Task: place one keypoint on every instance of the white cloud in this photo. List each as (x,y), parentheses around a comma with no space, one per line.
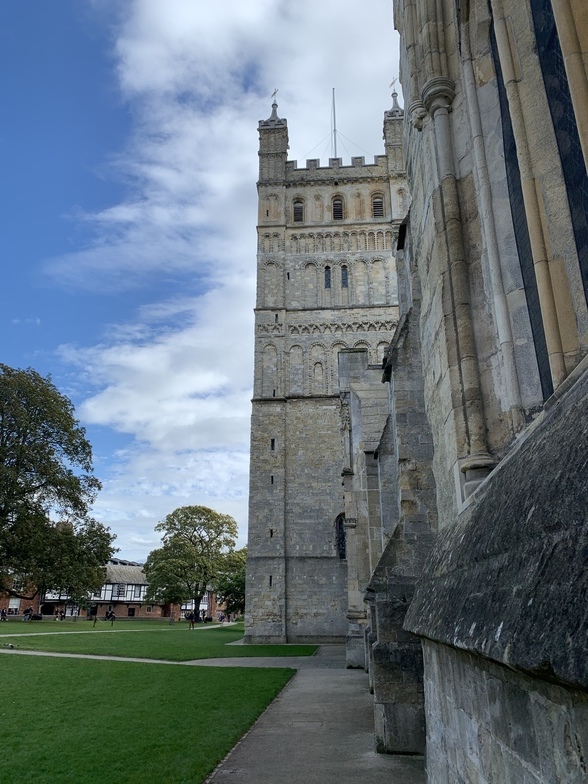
(35,322)
(176,375)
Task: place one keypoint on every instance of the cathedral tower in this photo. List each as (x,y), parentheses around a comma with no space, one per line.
(326,282)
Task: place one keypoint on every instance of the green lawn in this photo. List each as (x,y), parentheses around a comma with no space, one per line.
(171,643)
(82,625)
(71,721)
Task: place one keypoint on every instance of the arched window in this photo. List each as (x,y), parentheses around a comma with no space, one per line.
(344,277)
(377,206)
(327,277)
(337,208)
(298,211)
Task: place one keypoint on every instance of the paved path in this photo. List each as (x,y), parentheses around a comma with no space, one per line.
(320,730)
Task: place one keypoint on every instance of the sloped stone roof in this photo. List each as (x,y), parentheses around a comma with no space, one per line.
(508,579)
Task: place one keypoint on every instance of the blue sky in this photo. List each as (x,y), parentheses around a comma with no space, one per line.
(128,160)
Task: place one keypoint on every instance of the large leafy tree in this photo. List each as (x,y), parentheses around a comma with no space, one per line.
(196,542)
(230,585)
(47,538)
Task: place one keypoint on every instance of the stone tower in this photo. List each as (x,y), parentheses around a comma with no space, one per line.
(326,282)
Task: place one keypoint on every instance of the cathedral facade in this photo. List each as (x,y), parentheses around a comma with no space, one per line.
(493,277)
(431,508)
(326,284)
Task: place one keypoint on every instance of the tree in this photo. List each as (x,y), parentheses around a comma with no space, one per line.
(196,542)
(230,586)
(47,538)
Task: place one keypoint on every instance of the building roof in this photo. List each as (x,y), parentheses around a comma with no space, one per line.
(125,572)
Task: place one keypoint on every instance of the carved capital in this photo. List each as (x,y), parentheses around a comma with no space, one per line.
(438,93)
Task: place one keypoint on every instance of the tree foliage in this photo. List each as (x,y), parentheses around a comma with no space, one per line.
(230,585)
(196,542)
(47,538)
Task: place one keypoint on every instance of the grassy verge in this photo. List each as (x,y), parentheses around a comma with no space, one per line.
(87,722)
(174,644)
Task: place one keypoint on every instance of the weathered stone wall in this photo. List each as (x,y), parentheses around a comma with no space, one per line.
(404,454)
(499,237)
(490,725)
(365,401)
(291,349)
(507,584)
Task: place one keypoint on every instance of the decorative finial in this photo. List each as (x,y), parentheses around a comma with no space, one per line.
(274,114)
(396,111)
(273,121)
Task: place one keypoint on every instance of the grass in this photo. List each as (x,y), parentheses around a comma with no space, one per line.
(73,721)
(81,625)
(174,643)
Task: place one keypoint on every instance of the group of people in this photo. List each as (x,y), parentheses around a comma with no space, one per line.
(108,616)
(194,618)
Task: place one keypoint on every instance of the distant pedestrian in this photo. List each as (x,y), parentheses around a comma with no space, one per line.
(190,619)
(111,617)
(3,615)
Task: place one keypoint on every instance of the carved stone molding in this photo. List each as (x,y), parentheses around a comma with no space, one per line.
(270,329)
(341,329)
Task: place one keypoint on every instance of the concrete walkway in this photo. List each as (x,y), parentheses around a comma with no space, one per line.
(320,730)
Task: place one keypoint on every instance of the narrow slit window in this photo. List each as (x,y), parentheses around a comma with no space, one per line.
(270,580)
(340,535)
(377,207)
(337,209)
(271,533)
(344,277)
(273,444)
(298,211)
(271,479)
(327,277)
